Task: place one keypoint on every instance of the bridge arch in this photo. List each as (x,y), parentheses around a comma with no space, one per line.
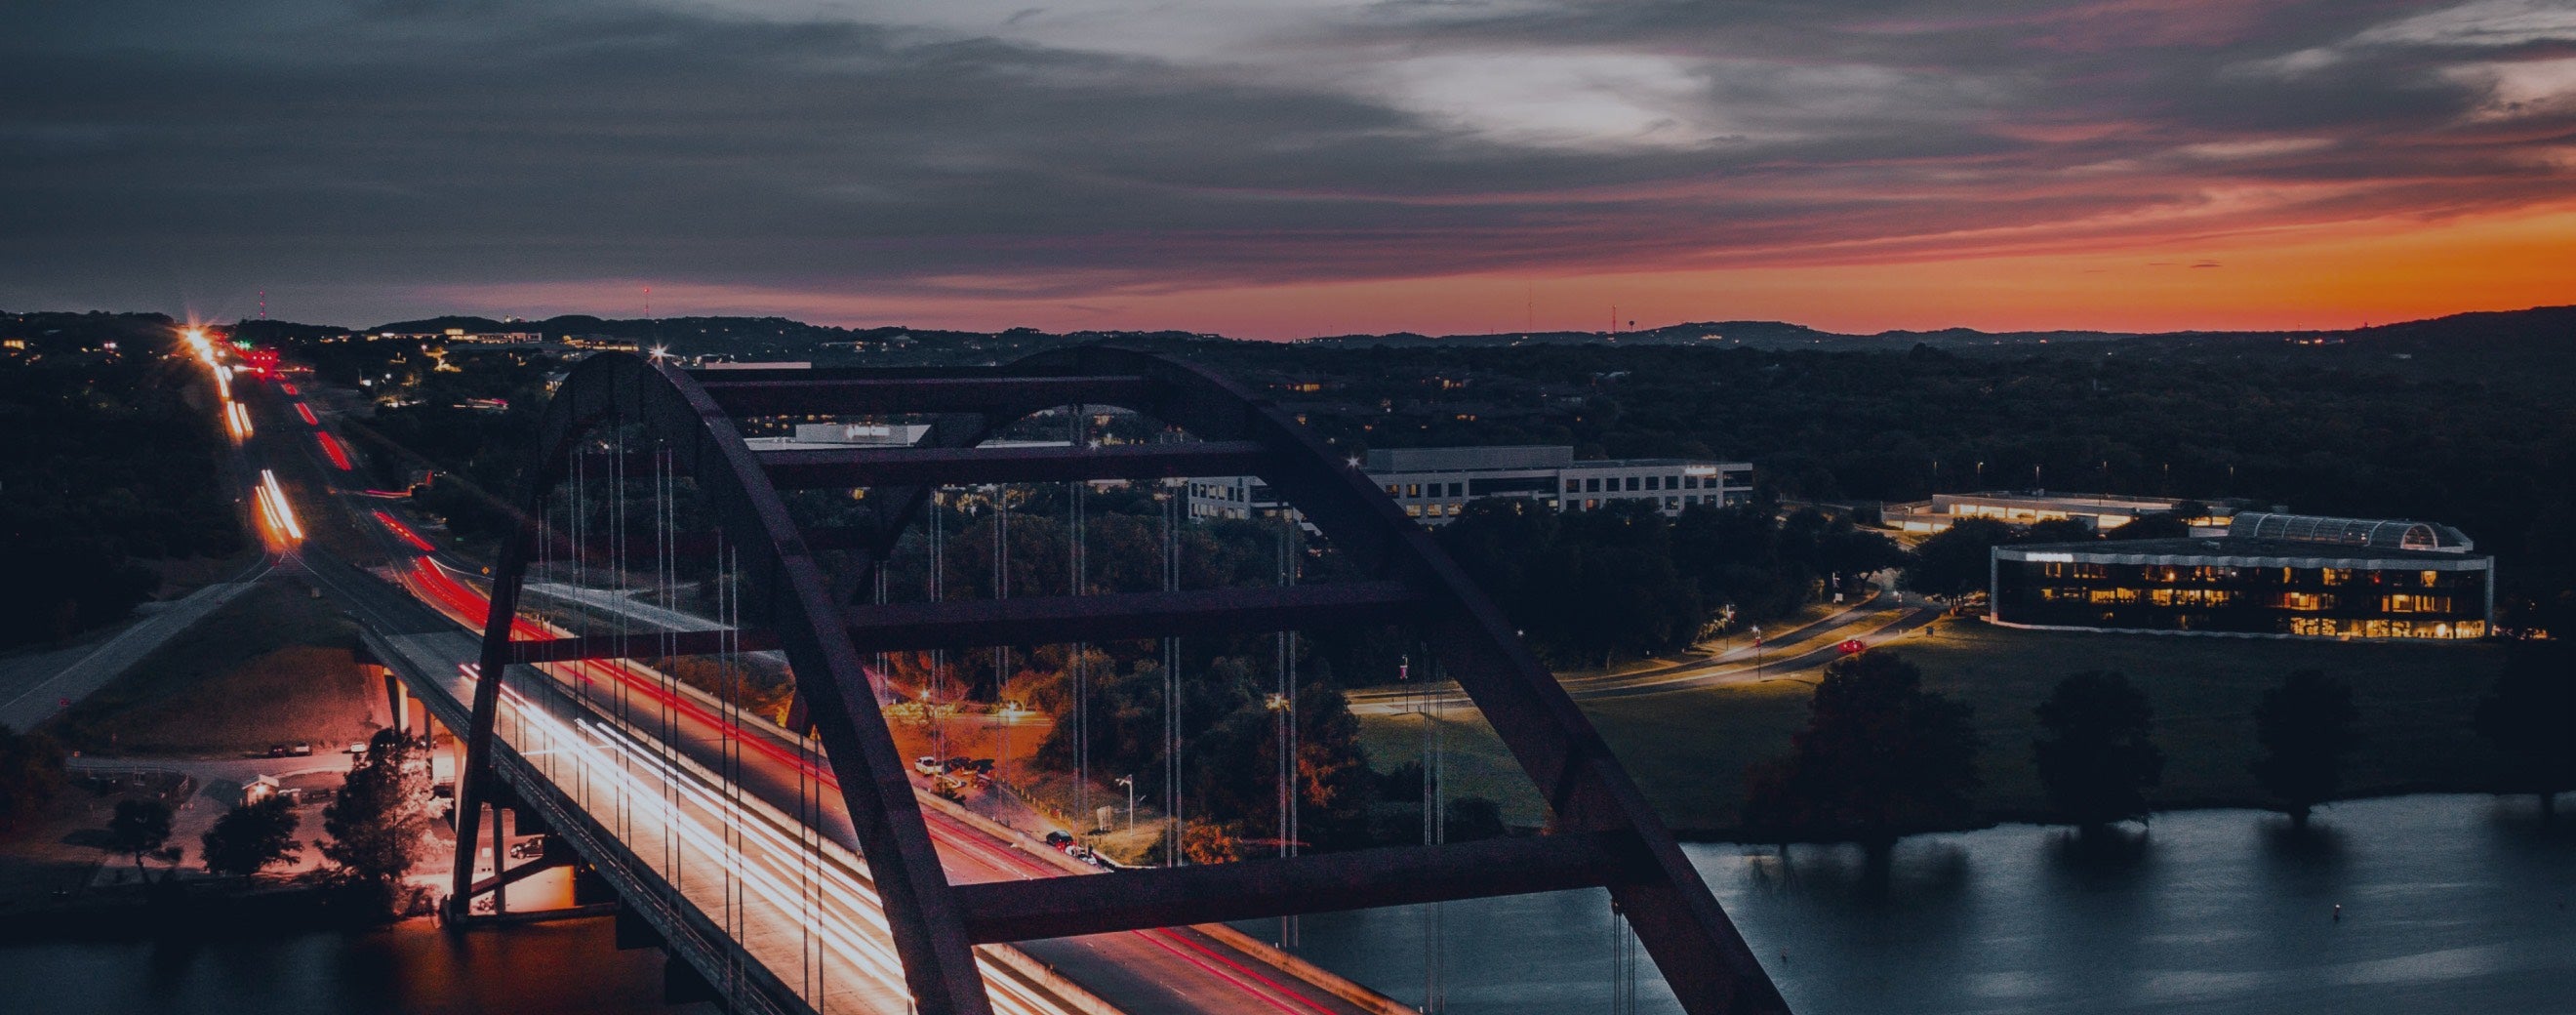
(1605,834)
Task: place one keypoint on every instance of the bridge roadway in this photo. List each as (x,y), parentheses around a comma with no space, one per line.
(589,736)
(583,749)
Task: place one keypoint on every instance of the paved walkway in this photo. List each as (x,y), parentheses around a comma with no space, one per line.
(31,694)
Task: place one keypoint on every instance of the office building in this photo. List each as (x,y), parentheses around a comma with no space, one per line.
(2101,513)
(2271,575)
(1435,484)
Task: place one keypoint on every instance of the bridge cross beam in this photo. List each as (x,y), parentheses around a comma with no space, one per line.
(1607,835)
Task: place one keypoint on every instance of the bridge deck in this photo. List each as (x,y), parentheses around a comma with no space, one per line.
(761,883)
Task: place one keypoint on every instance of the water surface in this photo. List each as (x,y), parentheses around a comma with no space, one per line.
(2450,903)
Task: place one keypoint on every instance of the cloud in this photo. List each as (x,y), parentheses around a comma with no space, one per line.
(2484,24)
(833,153)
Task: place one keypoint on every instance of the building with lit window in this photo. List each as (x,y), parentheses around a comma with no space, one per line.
(2271,575)
(2100,513)
(1435,484)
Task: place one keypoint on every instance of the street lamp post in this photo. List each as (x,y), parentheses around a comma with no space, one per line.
(1129,781)
(1757,656)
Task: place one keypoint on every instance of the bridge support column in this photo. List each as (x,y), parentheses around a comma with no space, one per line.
(500,859)
(397,704)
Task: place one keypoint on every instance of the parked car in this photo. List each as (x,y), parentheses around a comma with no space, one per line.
(928,765)
(277,750)
(1058,840)
(302,750)
(532,847)
(1851,646)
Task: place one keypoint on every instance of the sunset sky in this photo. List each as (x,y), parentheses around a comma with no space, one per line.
(1276,168)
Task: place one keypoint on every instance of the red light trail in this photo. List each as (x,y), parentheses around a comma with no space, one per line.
(300,410)
(465,602)
(331,447)
(404,532)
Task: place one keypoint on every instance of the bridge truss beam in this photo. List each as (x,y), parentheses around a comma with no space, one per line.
(1606,835)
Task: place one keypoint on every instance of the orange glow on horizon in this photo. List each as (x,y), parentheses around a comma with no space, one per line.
(2326,276)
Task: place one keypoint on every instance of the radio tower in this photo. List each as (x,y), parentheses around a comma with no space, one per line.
(263,304)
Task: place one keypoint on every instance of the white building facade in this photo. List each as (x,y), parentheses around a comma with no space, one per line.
(1434,485)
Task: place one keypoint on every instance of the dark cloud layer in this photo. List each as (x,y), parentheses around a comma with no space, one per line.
(157,151)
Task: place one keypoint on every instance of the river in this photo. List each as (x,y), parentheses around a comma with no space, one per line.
(2449,903)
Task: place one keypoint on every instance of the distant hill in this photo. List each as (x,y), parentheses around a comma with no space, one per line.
(1726,334)
(2461,340)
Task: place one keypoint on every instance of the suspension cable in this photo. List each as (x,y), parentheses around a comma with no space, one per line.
(1002,653)
(1172,704)
(938,593)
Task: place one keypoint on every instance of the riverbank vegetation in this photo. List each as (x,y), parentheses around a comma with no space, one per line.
(1689,751)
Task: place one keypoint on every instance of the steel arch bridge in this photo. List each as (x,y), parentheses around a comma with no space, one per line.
(1603,834)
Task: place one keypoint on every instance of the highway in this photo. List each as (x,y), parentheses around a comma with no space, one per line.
(600,730)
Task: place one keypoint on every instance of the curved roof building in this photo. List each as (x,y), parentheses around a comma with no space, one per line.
(2271,575)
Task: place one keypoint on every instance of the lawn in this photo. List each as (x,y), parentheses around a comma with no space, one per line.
(1688,750)
(273,666)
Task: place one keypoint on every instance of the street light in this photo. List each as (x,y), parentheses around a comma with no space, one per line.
(1757,654)
(1129,781)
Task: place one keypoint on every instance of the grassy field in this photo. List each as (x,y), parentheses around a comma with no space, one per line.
(1688,750)
(273,666)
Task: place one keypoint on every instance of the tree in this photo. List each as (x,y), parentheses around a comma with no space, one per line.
(139,827)
(2095,754)
(250,837)
(31,772)
(377,822)
(1953,561)
(1880,758)
(2304,727)
(1470,818)
(2528,717)
(1206,842)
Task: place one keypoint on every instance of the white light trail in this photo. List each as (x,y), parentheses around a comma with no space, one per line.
(842,910)
(285,513)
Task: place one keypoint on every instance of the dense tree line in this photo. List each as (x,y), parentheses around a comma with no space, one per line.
(1881,758)
(31,773)
(2468,428)
(112,461)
